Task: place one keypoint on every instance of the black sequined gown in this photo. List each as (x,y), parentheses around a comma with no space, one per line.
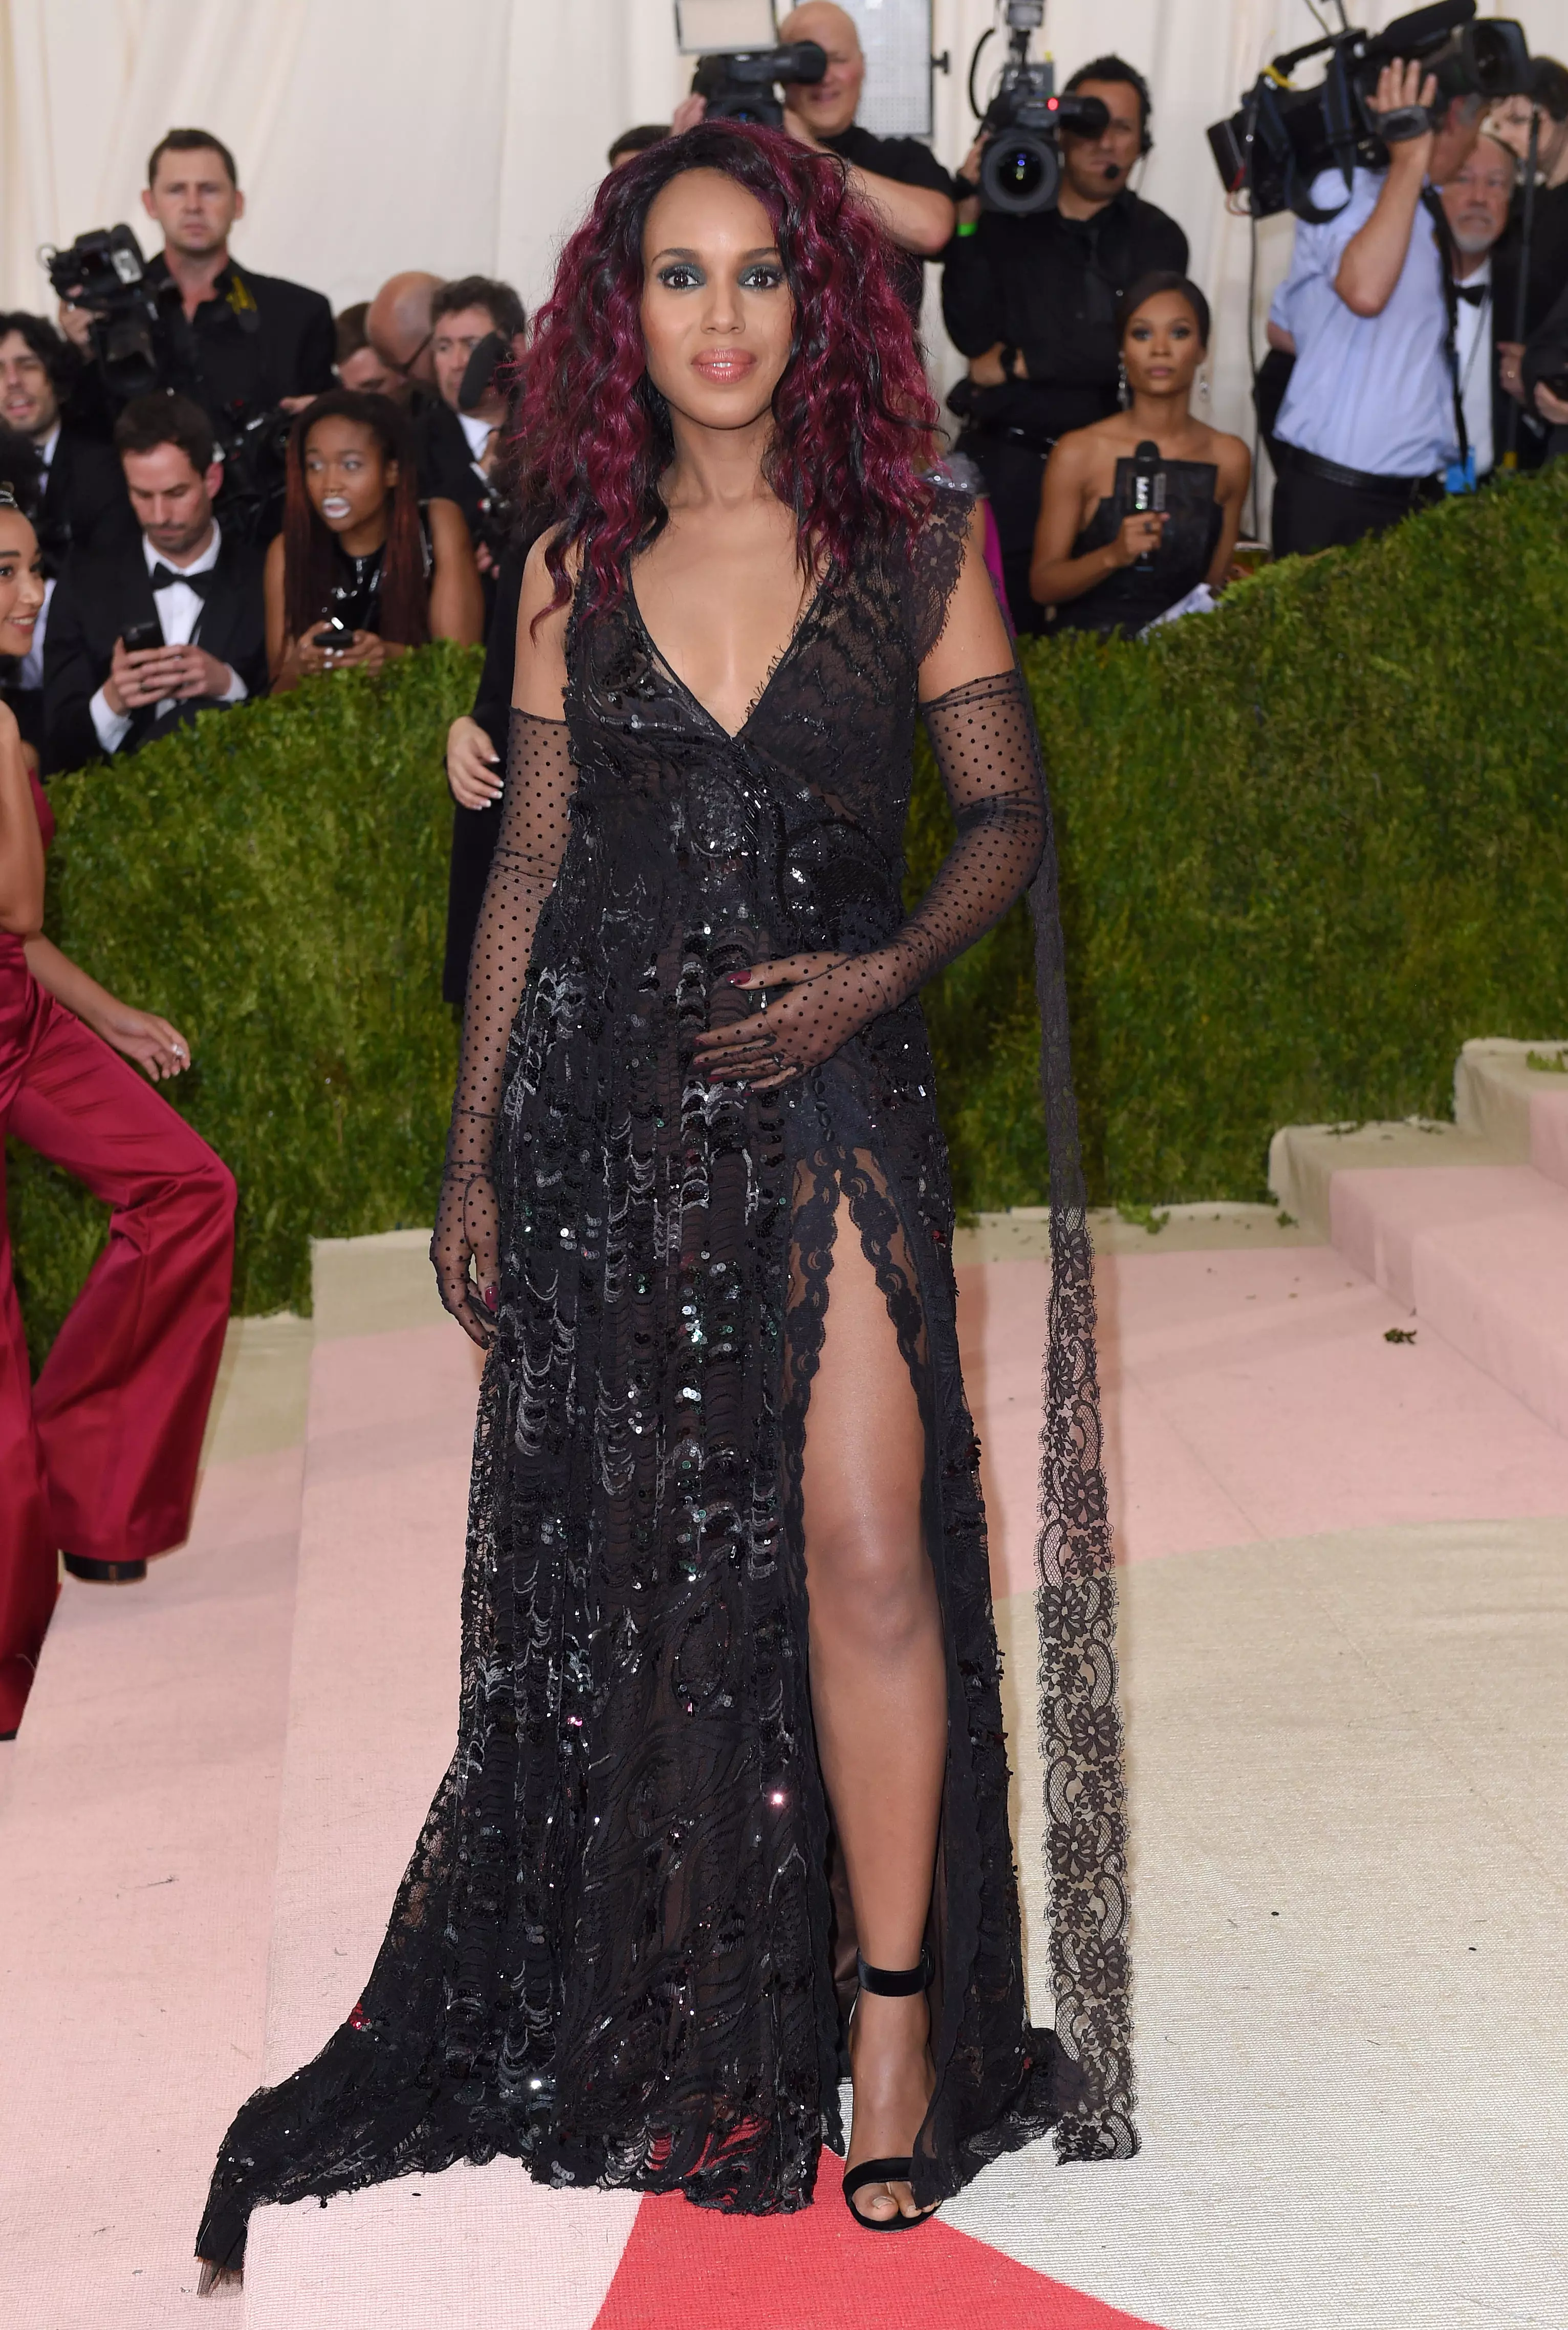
(614,1953)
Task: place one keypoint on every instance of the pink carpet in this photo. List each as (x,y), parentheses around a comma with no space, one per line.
(1250,1396)
(233,1766)
(137,1839)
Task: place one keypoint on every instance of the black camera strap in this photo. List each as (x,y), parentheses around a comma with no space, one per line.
(1432,203)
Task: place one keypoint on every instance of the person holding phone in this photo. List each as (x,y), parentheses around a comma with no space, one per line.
(362,570)
(143,637)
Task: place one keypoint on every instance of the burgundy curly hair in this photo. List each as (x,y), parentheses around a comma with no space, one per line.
(853,415)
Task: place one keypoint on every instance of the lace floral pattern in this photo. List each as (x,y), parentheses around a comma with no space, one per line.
(613,1954)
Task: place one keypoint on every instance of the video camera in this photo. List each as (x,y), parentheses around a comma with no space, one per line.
(741,84)
(132,325)
(1021,171)
(104,273)
(1283,138)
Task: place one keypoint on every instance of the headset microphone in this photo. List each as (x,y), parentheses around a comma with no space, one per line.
(1112,172)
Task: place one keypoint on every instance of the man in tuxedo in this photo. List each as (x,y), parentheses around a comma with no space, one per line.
(84,501)
(70,484)
(196,591)
(238,344)
(456,448)
(1477,199)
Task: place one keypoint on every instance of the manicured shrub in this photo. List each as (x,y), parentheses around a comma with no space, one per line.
(274,880)
(1310,843)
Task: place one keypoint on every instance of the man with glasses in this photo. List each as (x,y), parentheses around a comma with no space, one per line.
(400,327)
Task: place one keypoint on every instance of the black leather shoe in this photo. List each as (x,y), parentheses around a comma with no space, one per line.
(104,1573)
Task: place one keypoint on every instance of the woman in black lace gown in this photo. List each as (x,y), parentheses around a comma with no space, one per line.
(730,1728)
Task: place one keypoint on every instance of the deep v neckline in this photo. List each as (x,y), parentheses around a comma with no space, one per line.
(731,735)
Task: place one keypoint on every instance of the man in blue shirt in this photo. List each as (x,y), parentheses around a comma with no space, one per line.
(1369,425)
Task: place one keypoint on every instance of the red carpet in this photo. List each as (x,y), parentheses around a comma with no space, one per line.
(687,2269)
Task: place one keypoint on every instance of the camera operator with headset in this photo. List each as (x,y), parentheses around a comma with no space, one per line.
(1030,296)
(238,344)
(899,176)
(1370,426)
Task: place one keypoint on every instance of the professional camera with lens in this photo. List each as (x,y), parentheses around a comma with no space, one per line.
(1283,137)
(132,325)
(743,84)
(1021,171)
(104,271)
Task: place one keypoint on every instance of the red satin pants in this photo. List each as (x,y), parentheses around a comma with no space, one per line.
(98,1457)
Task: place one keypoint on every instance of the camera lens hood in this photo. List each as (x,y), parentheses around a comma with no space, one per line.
(1020,173)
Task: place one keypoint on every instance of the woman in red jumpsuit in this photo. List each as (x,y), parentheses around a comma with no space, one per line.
(97,1459)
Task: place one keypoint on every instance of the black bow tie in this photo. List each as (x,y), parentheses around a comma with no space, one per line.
(1477,294)
(162,576)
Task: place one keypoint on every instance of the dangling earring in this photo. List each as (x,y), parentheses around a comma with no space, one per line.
(1123,393)
(1204,386)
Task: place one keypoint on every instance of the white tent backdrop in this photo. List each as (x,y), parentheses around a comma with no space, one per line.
(466,135)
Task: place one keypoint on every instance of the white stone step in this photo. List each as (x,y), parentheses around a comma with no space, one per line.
(1514,1095)
(1463,1224)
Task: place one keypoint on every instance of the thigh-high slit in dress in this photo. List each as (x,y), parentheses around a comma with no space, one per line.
(618,1953)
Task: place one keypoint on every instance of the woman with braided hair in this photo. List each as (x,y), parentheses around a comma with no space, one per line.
(729,1804)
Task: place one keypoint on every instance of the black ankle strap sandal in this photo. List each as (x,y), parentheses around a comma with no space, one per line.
(879,1982)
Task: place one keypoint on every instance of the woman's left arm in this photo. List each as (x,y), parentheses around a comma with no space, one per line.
(1235,467)
(154,1043)
(457,600)
(981,725)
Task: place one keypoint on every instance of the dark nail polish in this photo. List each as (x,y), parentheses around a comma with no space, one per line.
(492,1296)
(739,977)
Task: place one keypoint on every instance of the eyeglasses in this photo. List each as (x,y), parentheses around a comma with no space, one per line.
(405,368)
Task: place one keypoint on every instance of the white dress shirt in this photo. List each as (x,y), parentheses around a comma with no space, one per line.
(1473,345)
(1372,393)
(30,673)
(180,616)
(478,434)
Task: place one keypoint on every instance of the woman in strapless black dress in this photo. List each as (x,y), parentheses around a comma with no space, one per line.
(730,1755)
(1139,510)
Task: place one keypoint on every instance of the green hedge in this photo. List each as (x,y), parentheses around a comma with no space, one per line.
(274,880)
(1310,843)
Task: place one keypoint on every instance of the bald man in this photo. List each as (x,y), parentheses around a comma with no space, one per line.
(400,327)
(900,176)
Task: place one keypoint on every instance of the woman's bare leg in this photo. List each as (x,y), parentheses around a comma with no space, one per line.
(878,1685)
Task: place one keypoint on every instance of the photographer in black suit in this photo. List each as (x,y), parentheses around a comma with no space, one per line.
(142,639)
(900,177)
(1032,302)
(240,343)
(456,449)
